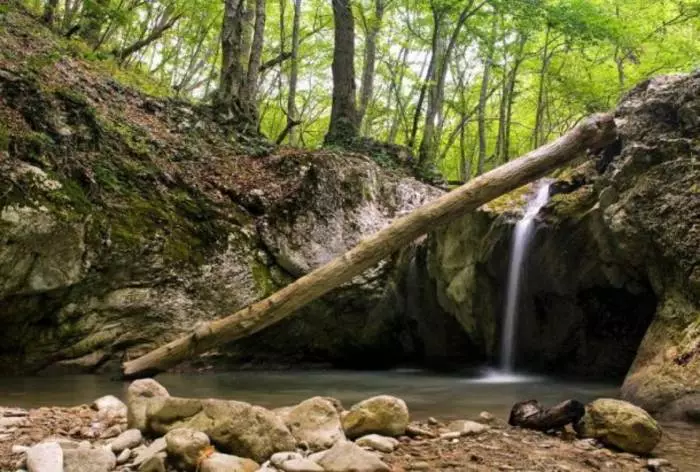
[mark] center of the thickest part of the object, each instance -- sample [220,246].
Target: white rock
[218,462]
[156,447]
[185,446]
[347,456]
[138,394]
[45,457]
[278,458]
[450,435]
[123,456]
[83,459]
[110,405]
[467,428]
[129,439]
[17,449]
[314,422]
[378,442]
[301,465]
[317,456]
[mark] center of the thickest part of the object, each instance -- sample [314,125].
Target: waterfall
[521,239]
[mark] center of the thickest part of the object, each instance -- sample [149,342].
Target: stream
[427,394]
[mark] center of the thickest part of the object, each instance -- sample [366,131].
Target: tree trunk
[95,13]
[512,79]
[531,415]
[539,107]
[483,100]
[49,12]
[256,50]
[343,126]
[368,67]
[292,112]
[395,90]
[158,31]
[592,134]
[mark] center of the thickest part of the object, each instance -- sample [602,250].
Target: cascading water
[521,240]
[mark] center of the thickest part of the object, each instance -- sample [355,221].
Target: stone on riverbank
[185,447]
[88,459]
[218,462]
[620,424]
[139,394]
[383,414]
[378,442]
[346,456]
[45,457]
[315,422]
[467,428]
[129,439]
[109,405]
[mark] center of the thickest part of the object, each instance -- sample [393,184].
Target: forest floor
[501,448]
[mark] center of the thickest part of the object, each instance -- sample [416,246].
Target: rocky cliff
[613,276]
[127,219]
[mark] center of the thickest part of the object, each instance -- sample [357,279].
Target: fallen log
[593,134]
[531,415]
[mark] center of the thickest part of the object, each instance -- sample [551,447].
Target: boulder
[346,456]
[218,462]
[129,439]
[88,459]
[109,405]
[234,427]
[138,395]
[315,422]
[378,442]
[620,424]
[186,446]
[384,414]
[45,457]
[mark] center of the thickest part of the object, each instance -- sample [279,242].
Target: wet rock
[139,394]
[218,462]
[315,422]
[301,465]
[45,457]
[620,424]
[129,439]
[378,442]
[467,428]
[346,456]
[84,459]
[384,414]
[234,427]
[154,463]
[185,447]
[110,405]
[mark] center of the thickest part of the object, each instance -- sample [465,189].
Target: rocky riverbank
[157,432]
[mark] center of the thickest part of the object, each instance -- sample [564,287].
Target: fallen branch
[592,134]
[531,415]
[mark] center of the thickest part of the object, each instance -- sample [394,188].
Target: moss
[511,201]
[4,137]
[574,205]
[263,278]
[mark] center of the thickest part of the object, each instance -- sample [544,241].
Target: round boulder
[186,446]
[384,414]
[620,424]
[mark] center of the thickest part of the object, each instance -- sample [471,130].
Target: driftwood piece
[594,133]
[531,415]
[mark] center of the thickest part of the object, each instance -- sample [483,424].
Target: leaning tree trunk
[343,126]
[592,134]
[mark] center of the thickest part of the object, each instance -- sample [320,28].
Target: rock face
[620,424]
[384,414]
[126,220]
[612,275]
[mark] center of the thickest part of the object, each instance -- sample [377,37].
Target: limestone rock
[301,465]
[467,428]
[218,462]
[124,456]
[278,458]
[378,442]
[234,427]
[346,456]
[110,405]
[138,396]
[383,414]
[185,447]
[155,448]
[620,424]
[86,459]
[45,457]
[315,422]
[129,439]
[154,463]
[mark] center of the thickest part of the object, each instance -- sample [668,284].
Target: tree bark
[343,126]
[483,100]
[256,50]
[368,67]
[292,112]
[593,134]
[49,12]
[231,73]
[164,25]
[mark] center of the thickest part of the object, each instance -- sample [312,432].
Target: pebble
[129,439]
[124,456]
[657,464]
[45,457]
[450,435]
[17,449]
[419,466]
[378,442]
[300,465]
[433,421]
[280,458]
[156,447]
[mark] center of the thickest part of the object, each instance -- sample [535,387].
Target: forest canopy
[467,85]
